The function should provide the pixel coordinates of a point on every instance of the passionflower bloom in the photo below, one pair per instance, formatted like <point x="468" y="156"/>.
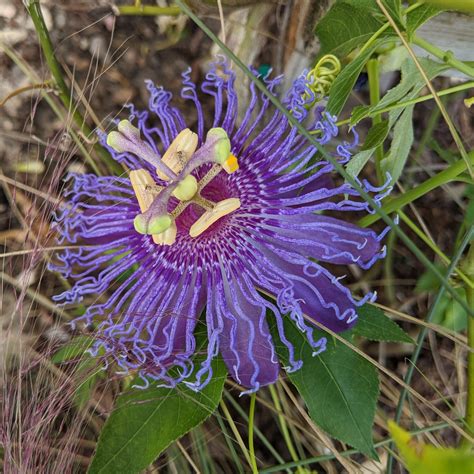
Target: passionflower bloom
<point x="213" y="215"/>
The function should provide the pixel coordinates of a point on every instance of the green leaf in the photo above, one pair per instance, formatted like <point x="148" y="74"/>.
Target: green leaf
<point x="455" y="316"/>
<point x="345" y="27"/>
<point x="428" y="280"/>
<point x="421" y="15"/>
<point x="402" y="141"/>
<point x="408" y="88"/>
<point x="377" y="134"/>
<point x="358" y="113"/>
<point x="145" y="422"/>
<point x="394" y="8"/>
<point x="89" y="373"/>
<point x="375" y="137"/>
<point x="423" y="458"/>
<point x="340" y="388"/>
<point x="74" y="349"/>
<point x="358" y="161"/>
<point x="374" y="324"/>
<point x="344" y="83"/>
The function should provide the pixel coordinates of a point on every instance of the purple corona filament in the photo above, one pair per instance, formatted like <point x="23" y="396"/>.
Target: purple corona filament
<point x="275" y="243"/>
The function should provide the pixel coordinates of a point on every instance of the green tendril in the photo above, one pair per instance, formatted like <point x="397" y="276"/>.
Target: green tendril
<point x="322" y="77"/>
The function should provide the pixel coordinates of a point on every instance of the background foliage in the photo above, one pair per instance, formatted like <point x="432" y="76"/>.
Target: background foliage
<point x="69" y="68"/>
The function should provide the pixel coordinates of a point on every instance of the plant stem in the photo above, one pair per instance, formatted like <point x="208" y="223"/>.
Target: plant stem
<point x="374" y="89"/>
<point x="385" y="27"/>
<point x="234" y="429"/>
<point x="253" y="460"/>
<point x="147" y="10"/>
<point x="411" y="195"/>
<point x="284" y="426"/>
<point x="403" y="104"/>
<point x="445" y="56"/>
<point x="259" y="434"/>
<point x="469" y="268"/>
<point x="462" y="5"/>
<point x="65" y="95"/>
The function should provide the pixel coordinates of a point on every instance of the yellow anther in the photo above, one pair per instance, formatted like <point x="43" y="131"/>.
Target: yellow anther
<point x="220" y="210"/>
<point x="179" y="152"/>
<point x="231" y="164"/>
<point x="168" y="237"/>
<point x="144" y="187"/>
<point x="146" y="190"/>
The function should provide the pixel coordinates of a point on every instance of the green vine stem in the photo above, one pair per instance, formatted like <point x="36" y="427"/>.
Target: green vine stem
<point x="418" y="100"/>
<point x="462" y="5"/>
<point x="284" y="427"/>
<point x="34" y="10"/>
<point x="253" y="460"/>
<point x="445" y="56"/>
<point x="374" y="90"/>
<point x="385" y="27"/>
<point x="443" y="177"/>
<point x="468" y="267"/>
<point x="259" y="434"/>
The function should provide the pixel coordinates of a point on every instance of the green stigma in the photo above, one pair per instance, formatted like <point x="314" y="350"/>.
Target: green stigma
<point x="186" y="188"/>
<point x="156" y="225"/>
<point x="128" y="129"/>
<point x="222" y="144"/>
<point x="116" y="141"/>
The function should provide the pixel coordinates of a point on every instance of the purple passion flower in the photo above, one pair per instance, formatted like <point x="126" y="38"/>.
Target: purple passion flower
<point x="215" y="219"/>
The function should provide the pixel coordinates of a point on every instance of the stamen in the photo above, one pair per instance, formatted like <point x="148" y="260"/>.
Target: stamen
<point x="221" y="209"/>
<point x="179" y="153"/>
<point x="181" y="159"/>
<point x="144" y="187"/>
<point x="146" y="190"/>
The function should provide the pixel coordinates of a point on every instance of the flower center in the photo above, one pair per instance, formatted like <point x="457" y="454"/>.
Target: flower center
<point x="175" y="168"/>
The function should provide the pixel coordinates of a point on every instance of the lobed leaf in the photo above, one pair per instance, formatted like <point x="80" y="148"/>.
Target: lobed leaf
<point x="419" y="16"/>
<point x="345" y="27"/>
